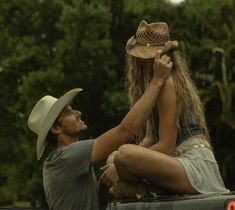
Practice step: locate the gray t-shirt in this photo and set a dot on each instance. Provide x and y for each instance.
(68, 178)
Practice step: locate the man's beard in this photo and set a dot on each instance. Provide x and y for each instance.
(72, 133)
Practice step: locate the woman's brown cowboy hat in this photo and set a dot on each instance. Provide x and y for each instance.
(150, 38)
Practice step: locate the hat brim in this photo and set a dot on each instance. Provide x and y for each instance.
(143, 51)
(51, 116)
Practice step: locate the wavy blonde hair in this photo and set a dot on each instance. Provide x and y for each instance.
(187, 97)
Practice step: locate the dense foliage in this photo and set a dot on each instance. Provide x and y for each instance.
(50, 46)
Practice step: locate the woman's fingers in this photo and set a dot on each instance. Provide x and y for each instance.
(162, 66)
(165, 58)
(158, 55)
(170, 64)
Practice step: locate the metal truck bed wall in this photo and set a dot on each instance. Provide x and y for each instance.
(192, 202)
(196, 202)
(17, 208)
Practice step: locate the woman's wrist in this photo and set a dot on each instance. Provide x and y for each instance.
(158, 81)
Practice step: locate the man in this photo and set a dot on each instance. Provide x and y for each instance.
(68, 178)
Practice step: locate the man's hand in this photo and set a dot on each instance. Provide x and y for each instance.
(162, 66)
(109, 176)
(110, 158)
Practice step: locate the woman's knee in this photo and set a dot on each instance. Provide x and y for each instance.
(125, 155)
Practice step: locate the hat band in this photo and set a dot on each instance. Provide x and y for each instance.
(150, 44)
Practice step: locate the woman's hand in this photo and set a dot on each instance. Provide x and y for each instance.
(162, 66)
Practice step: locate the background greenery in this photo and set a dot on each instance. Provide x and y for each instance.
(50, 46)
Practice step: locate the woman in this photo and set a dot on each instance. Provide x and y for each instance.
(174, 151)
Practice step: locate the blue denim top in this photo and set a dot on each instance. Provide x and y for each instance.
(184, 133)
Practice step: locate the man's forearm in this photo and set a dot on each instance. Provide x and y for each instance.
(139, 112)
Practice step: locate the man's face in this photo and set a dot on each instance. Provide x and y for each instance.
(70, 122)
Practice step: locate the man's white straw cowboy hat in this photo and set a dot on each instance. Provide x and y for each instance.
(44, 115)
(149, 39)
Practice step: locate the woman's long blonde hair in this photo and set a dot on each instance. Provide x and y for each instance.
(186, 92)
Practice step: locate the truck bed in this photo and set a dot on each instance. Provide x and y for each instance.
(186, 202)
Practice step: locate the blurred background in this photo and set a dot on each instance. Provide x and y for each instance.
(51, 46)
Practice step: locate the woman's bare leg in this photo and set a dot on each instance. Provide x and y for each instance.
(160, 169)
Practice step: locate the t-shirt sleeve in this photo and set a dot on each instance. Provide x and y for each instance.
(77, 157)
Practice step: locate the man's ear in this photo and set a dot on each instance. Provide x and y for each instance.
(55, 129)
